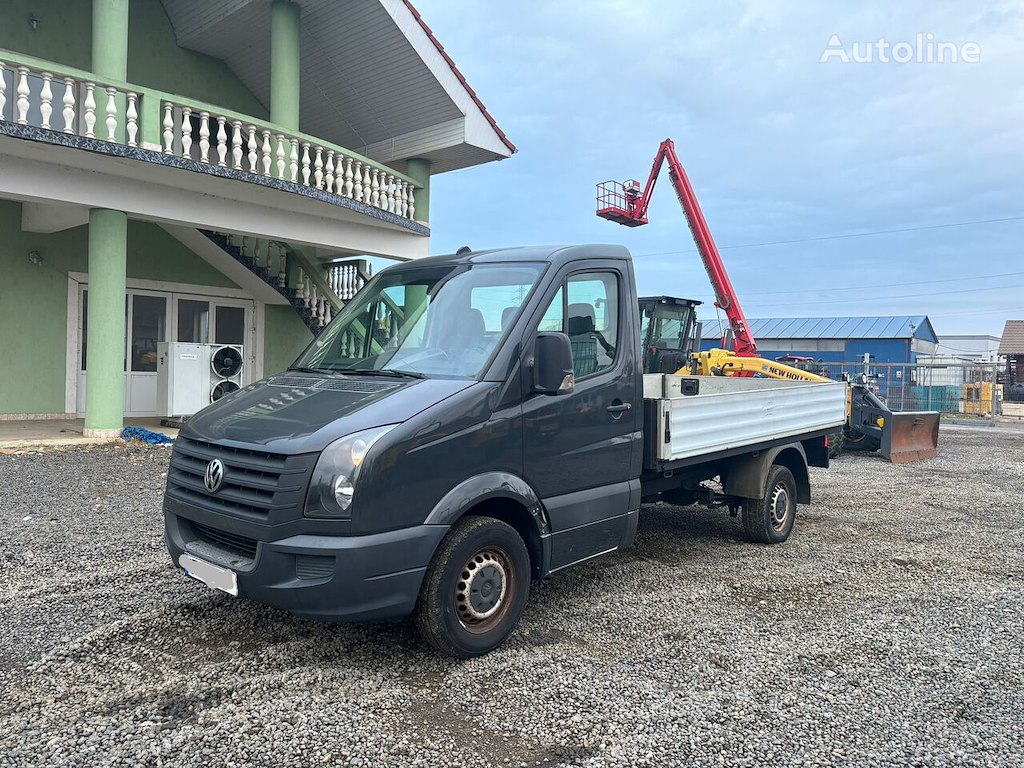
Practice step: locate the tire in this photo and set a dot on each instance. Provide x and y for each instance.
(475, 588)
(835, 443)
(769, 520)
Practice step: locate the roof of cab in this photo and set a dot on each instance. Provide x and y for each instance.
(557, 255)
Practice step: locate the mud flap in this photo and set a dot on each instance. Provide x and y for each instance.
(910, 436)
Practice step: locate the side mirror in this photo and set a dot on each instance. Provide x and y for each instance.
(552, 364)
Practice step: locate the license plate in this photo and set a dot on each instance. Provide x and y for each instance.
(211, 575)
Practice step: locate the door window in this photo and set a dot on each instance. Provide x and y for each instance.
(147, 329)
(230, 326)
(193, 321)
(589, 315)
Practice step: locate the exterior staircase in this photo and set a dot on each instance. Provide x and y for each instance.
(316, 290)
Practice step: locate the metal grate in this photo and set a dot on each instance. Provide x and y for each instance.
(313, 567)
(256, 483)
(333, 385)
(230, 541)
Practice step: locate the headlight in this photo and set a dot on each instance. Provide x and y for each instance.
(334, 480)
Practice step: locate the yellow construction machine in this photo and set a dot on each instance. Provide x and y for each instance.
(870, 425)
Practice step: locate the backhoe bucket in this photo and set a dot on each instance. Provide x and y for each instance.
(910, 436)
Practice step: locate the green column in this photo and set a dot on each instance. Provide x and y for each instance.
(285, 61)
(104, 376)
(110, 39)
(419, 170)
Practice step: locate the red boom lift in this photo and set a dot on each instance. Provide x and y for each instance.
(625, 203)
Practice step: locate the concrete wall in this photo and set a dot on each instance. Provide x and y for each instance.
(285, 336)
(64, 35)
(33, 300)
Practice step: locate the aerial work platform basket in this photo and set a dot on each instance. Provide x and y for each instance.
(617, 201)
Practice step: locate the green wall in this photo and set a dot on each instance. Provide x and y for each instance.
(33, 300)
(155, 255)
(285, 336)
(64, 35)
(33, 313)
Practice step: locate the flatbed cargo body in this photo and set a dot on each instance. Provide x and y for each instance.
(693, 418)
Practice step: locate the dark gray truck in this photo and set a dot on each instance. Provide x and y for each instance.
(466, 425)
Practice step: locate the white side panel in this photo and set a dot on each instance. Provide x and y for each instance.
(712, 422)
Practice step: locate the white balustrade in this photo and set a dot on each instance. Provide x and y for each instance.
(57, 102)
(111, 114)
(197, 134)
(46, 101)
(132, 119)
(263, 151)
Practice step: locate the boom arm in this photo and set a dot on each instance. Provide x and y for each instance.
(721, 362)
(633, 212)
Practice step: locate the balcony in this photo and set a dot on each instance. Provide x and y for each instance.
(69, 138)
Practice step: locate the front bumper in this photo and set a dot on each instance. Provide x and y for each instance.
(337, 578)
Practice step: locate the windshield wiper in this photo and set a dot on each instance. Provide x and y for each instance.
(395, 372)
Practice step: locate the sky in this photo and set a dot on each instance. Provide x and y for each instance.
(832, 188)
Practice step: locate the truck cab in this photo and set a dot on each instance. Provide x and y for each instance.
(467, 424)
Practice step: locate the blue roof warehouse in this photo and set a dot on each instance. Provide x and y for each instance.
(890, 339)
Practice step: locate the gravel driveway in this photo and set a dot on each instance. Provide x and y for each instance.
(887, 631)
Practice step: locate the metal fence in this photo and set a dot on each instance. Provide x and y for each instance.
(960, 391)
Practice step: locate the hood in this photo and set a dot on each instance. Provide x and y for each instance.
(302, 413)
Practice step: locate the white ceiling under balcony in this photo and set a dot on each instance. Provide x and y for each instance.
(374, 79)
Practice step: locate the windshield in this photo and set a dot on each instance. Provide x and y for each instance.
(424, 321)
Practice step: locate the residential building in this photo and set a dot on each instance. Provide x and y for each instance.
(1011, 349)
(208, 171)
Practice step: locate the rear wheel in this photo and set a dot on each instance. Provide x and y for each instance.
(769, 520)
(475, 588)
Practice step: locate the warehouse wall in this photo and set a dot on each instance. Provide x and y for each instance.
(831, 350)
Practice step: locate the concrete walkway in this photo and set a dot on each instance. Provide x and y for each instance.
(52, 433)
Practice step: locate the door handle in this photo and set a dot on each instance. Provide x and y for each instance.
(618, 407)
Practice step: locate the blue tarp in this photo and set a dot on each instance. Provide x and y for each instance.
(145, 436)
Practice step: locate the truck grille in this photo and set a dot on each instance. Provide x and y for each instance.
(229, 541)
(257, 484)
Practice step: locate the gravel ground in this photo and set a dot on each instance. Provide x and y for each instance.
(887, 631)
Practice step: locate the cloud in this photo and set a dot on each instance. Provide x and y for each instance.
(779, 146)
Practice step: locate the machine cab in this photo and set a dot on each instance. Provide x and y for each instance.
(669, 332)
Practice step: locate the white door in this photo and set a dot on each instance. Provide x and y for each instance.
(147, 327)
(155, 316)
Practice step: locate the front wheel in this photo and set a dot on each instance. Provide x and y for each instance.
(769, 520)
(475, 589)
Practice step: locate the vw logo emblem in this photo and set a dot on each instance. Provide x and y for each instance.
(214, 477)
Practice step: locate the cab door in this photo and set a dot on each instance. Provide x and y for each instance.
(579, 448)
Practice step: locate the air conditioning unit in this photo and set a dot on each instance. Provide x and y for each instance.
(226, 368)
(182, 378)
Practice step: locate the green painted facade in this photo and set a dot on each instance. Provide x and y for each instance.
(108, 256)
(126, 41)
(285, 62)
(285, 336)
(64, 34)
(34, 301)
(419, 171)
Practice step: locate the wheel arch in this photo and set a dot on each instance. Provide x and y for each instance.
(505, 497)
(746, 475)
